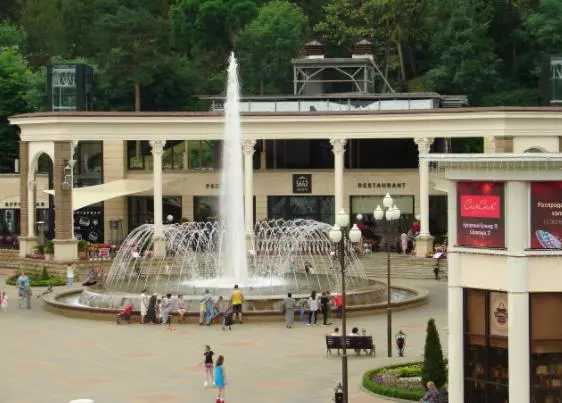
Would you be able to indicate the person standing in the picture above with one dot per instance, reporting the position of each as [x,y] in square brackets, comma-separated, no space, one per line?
[302,304]
[143,305]
[289,310]
[220,379]
[4,301]
[325,305]
[338,301]
[151,316]
[69,275]
[237,299]
[313,303]
[22,285]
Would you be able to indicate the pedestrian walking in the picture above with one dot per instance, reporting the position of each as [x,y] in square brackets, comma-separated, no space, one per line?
[237,299]
[325,301]
[302,305]
[220,379]
[208,362]
[313,303]
[288,308]
[22,283]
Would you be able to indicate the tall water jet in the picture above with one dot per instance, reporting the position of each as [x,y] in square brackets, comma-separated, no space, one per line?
[233,254]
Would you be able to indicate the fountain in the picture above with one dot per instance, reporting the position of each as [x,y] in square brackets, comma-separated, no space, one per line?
[285,255]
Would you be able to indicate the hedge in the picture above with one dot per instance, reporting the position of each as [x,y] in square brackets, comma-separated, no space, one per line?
[387,390]
[37,281]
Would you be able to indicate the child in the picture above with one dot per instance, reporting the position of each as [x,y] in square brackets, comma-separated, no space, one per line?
[302,304]
[4,301]
[159,310]
[220,379]
[208,353]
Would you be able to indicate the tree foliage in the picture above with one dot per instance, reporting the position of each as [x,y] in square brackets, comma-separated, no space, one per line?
[266,46]
[157,54]
[433,363]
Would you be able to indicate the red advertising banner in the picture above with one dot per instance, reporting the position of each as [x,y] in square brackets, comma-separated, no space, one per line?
[480,214]
[546,215]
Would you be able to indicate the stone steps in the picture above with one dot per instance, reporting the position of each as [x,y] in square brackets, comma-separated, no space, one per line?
[375,265]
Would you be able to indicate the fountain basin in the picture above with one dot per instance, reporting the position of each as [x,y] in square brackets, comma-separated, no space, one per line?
[367,301]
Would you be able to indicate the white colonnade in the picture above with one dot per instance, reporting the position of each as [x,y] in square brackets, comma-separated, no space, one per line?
[248,148]
[338,148]
[424,241]
[157,147]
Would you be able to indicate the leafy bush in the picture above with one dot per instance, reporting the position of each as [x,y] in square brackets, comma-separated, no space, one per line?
[43,279]
[49,247]
[433,363]
[386,381]
[409,371]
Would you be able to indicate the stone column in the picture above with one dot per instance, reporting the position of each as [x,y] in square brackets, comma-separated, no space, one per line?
[456,306]
[338,148]
[424,242]
[65,246]
[27,237]
[159,241]
[248,147]
[517,194]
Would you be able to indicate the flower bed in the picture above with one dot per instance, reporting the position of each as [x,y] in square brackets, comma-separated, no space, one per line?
[42,279]
[401,381]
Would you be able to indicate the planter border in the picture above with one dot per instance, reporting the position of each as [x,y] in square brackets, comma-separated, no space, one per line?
[399,395]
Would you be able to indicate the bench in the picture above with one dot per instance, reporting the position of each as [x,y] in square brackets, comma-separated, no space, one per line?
[356,343]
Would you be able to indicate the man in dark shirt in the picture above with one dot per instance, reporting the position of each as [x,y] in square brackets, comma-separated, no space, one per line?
[325,306]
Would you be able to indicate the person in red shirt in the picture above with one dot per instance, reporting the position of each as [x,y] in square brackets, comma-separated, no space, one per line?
[126,313]
[338,301]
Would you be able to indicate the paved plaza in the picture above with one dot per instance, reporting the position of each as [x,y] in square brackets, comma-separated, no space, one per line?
[46,358]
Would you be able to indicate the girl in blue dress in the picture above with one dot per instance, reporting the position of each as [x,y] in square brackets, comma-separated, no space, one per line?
[220,379]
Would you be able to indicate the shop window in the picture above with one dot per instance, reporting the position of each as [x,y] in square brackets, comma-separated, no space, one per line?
[546,347]
[319,208]
[141,209]
[486,352]
[207,208]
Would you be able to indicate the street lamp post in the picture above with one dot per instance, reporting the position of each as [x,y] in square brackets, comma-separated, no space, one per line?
[387,216]
[354,236]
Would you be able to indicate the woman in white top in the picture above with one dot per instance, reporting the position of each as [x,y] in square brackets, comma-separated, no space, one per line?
[69,275]
[143,305]
[313,303]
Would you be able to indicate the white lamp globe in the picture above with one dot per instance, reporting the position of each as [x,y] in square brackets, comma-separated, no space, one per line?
[389,214]
[396,213]
[418,217]
[359,217]
[378,213]
[387,201]
[335,234]
[170,218]
[342,219]
[354,234]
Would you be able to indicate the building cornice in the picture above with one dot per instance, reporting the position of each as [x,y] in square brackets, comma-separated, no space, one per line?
[461,122]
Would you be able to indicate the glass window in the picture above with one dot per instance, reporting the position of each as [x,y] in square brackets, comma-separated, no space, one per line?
[299,154]
[381,154]
[546,347]
[141,209]
[365,205]
[319,208]
[486,352]
[88,169]
[207,208]
[9,227]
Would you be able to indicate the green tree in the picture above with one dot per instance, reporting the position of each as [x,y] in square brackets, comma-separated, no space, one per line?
[43,24]
[465,58]
[545,26]
[16,82]
[265,47]
[433,363]
[209,26]
[131,43]
[11,35]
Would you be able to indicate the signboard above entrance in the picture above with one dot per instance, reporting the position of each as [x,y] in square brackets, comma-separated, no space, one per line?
[302,183]
[381,185]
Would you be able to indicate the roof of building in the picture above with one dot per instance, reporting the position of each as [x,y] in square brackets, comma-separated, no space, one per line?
[494,109]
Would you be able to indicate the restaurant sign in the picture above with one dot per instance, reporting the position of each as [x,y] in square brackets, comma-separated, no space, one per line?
[381,185]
